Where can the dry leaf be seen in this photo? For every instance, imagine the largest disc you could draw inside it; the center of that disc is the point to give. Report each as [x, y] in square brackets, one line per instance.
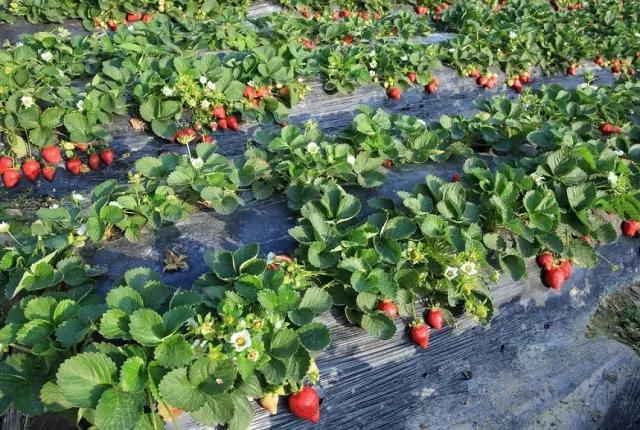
[137, 124]
[174, 262]
[168, 412]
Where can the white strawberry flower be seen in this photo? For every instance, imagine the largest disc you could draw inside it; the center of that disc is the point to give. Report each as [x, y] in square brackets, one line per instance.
[251, 84]
[130, 28]
[300, 80]
[115, 204]
[271, 257]
[203, 80]
[197, 163]
[204, 104]
[253, 355]
[422, 122]
[166, 91]
[211, 85]
[82, 229]
[241, 340]
[373, 64]
[27, 101]
[4, 227]
[512, 35]
[404, 58]
[613, 179]
[80, 105]
[469, 268]
[313, 148]
[278, 325]
[351, 159]
[619, 153]
[62, 32]
[77, 197]
[46, 56]
[372, 73]
[61, 73]
[54, 206]
[450, 273]
[537, 178]
[19, 44]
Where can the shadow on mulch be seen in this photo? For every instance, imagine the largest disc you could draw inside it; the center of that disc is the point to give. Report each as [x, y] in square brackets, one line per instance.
[618, 317]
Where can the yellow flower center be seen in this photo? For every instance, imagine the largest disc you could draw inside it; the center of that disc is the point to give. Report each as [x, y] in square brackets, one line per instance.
[240, 341]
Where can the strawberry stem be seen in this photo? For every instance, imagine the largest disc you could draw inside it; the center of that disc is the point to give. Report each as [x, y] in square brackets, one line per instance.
[614, 267]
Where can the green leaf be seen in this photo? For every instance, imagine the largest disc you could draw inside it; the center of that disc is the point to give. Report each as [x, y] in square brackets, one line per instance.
[379, 325]
[582, 253]
[119, 410]
[133, 375]
[314, 336]
[242, 413]
[513, 265]
[146, 327]
[316, 299]
[34, 332]
[41, 308]
[53, 399]
[84, 377]
[398, 228]
[216, 411]
[284, 343]
[125, 299]
[174, 351]
[114, 324]
[178, 391]
[213, 376]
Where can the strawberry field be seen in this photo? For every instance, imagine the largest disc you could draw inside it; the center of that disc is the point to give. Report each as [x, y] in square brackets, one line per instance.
[359, 214]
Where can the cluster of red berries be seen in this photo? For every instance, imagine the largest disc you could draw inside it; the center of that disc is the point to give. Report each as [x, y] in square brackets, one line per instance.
[554, 273]
[487, 81]
[571, 6]
[518, 82]
[130, 19]
[51, 156]
[437, 11]
[419, 331]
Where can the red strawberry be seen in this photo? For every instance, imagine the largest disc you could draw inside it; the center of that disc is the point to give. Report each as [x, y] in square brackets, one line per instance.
[94, 161]
[565, 265]
[435, 318]
[571, 71]
[107, 156]
[420, 333]
[74, 165]
[630, 228]
[482, 80]
[222, 124]
[615, 68]
[517, 85]
[345, 14]
[438, 9]
[82, 147]
[206, 138]
[606, 128]
[48, 173]
[51, 154]
[284, 91]
[147, 18]
[307, 44]
[248, 92]
[545, 260]
[335, 15]
[31, 169]
[387, 163]
[305, 404]
[112, 24]
[455, 178]
[599, 60]
[5, 163]
[10, 177]
[491, 82]
[133, 17]
[475, 73]
[256, 102]
[586, 239]
[395, 93]
[394, 31]
[411, 76]
[263, 92]
[232, 122]
[218, 111]
[283, 124]
[389, 308]
[347, 39]
[278, 260]
[432, 87]
[306, 14]
[553, 278]
[421, 10]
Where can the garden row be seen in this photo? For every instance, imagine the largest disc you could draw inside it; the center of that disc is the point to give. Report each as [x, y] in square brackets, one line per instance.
[59, 92]
[146, 352]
